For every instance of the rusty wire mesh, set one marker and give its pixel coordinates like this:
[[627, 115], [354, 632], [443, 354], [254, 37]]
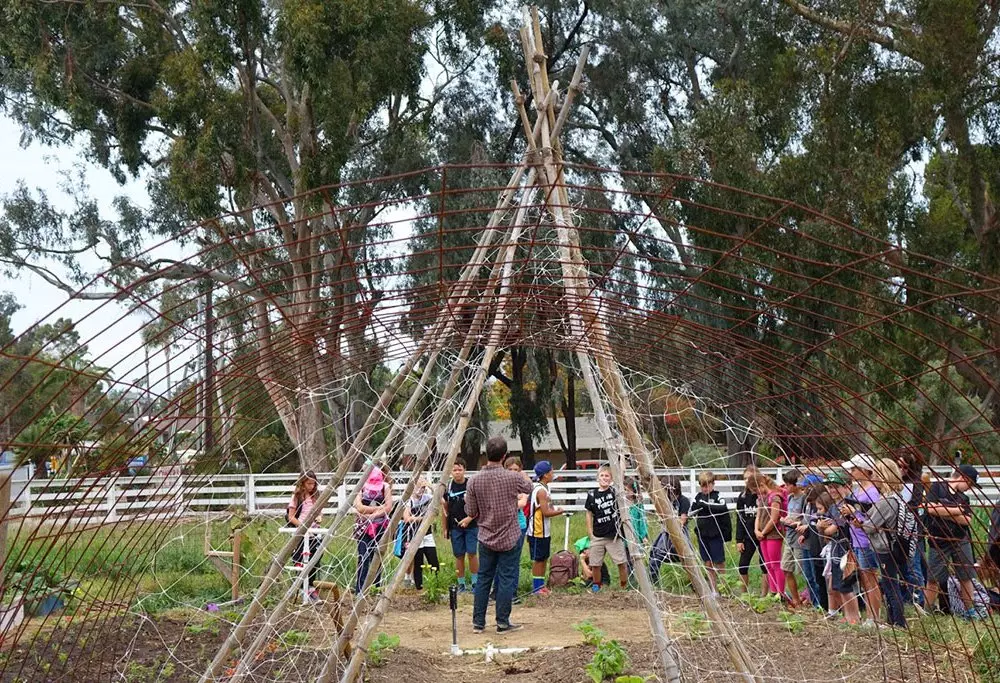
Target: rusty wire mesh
[[800, 338]]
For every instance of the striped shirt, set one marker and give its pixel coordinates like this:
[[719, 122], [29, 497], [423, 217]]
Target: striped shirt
[[491, 499]]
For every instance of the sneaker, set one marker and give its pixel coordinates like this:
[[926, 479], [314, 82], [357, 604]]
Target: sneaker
[[508, 628], [595, 588], [543, 591], [973, 614], [476, 628], [313, 595]]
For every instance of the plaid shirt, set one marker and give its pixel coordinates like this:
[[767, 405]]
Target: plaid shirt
[[492, 500]]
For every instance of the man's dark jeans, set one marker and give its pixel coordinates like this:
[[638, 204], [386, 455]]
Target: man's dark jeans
[[503, 566]]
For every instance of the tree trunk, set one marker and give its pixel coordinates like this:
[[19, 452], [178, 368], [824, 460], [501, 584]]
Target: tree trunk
[[518, 360], [569, 413]]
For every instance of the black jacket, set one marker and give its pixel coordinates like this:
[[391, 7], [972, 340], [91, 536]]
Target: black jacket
[[712, 514], [746, 517]]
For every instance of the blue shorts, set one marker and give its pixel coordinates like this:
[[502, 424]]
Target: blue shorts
[[464, 541], [539, 548], [712, 549], [867, 559]]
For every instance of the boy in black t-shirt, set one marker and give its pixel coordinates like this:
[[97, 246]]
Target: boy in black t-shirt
[[604, 527], [949, 515], [459, 528], [714, 527]]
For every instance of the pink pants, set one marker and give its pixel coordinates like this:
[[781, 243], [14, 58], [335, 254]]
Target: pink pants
[[770, 550]]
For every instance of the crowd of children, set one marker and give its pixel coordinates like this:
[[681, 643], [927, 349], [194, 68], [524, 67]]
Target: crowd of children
[[870, 533]]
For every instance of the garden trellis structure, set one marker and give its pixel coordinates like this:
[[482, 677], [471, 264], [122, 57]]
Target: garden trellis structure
[[766, 320]]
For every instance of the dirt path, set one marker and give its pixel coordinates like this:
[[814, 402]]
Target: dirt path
[[430, 630]]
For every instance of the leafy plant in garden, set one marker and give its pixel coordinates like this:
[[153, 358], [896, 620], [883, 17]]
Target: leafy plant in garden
[[610, 659], [795, 623], [696, 624], [435, 584], [759, 603], [381, 647], [591, 634]]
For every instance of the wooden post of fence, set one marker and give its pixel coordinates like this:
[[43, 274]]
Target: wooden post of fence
[[111, 501], [6, 474], [251, 496]]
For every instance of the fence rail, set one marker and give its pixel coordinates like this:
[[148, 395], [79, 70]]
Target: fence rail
[[114, 499]]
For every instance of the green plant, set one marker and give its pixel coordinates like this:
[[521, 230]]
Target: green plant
[[610, 660], [293, 638], [635, 679], [210, 626], [795, 623], [759, 603], [591, 634], [436, 584], [382, 646], [696, 624]]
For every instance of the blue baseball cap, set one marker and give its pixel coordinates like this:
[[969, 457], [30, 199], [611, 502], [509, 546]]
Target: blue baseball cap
[[811, 479], [542, 467]]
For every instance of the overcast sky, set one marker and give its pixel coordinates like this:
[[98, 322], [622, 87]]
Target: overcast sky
[[101, 325]]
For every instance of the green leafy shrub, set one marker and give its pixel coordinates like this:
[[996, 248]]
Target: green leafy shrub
[[436, 584]]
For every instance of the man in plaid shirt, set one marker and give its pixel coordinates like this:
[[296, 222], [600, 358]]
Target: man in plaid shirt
[[491, 500]]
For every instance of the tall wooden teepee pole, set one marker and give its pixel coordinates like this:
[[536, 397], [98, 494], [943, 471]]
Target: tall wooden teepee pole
[[361, 642], [435, 338], [593, 336]]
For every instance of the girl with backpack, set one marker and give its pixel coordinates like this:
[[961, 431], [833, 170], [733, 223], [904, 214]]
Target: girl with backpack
[[771, 507], [891, 528], [302, 502], [413, 516], [373, 505]]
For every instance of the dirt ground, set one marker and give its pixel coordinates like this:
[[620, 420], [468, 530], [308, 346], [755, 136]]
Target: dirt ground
[[176, 648]]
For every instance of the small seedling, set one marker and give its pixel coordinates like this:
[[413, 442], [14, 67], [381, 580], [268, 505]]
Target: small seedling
[[591, 634], [759, 603], [696, 624], [293, 638], [795, 623], [381, 647]]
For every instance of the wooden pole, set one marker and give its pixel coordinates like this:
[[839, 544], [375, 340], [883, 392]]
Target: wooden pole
[[593, 336], [353, 669], [461, 289]]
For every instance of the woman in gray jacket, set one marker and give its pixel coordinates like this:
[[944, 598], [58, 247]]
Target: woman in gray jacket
[[891, 527]]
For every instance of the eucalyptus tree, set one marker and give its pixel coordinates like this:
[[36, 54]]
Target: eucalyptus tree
[[224, 108]]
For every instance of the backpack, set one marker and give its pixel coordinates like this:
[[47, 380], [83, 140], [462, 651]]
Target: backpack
[[904, 541], [563, 566]]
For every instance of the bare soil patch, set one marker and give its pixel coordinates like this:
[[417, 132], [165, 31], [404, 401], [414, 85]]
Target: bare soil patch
[[177, 648]]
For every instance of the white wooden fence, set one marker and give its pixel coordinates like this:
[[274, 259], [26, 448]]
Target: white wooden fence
[[109, 500]]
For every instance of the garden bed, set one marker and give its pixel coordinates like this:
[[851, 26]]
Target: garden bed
[[175, 647]]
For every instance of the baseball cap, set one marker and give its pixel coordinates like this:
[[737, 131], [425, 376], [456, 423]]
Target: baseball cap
[[862, 461], [811, 479], [970, 473], [836, 478], [542, 467]]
